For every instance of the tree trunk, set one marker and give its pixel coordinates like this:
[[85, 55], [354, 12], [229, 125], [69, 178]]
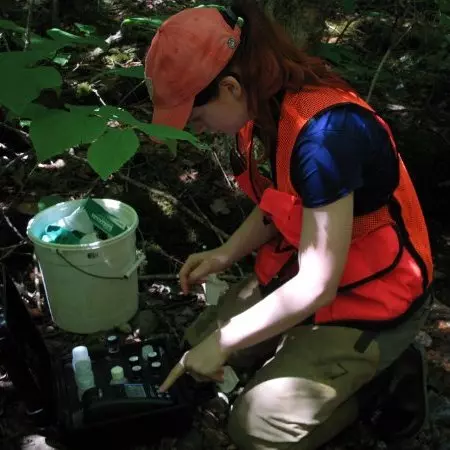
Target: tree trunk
[[304, 20]]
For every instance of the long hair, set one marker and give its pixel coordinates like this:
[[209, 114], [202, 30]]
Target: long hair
[[267, 62]]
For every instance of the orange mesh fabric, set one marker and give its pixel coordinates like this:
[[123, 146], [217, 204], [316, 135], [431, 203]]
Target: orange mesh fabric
[[413, 219], [297, 110]]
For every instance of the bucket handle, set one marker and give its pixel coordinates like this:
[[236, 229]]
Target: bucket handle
[[140, 258]]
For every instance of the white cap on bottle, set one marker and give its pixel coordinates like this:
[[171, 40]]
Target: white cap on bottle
[[80, 353], [148, 352]]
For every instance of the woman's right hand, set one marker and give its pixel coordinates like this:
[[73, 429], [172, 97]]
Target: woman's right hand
[[199, 265]]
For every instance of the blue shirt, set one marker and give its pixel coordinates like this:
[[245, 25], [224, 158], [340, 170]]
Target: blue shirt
[[344, 150]]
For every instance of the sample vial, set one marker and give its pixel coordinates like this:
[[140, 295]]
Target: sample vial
[[112, 343], [137, 372], [133, 360], [117, 375], [148, 353]]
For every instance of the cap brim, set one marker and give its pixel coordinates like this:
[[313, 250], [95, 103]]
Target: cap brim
[[176, 117]]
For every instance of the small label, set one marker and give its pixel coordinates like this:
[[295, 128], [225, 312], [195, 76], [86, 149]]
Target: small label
[[135, 391]]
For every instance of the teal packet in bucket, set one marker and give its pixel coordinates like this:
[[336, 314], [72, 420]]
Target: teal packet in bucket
[[103, 220]]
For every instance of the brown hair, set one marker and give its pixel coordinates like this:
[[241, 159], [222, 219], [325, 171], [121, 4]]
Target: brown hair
[[268, 62]]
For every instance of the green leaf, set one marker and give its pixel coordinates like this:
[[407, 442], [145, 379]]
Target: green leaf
[[33, 111], [20, 59], [72, 39], [349, 6], [159, 132], [59, 130], [172, 146], [62, 59], [163, 133], [146, 22], [132, 72], [86, 29], [19, 87], [49, 200], [445, 20], [112, 150], [11, 26]]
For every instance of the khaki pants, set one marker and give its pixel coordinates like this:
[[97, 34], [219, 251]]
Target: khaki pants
[[304, 391]]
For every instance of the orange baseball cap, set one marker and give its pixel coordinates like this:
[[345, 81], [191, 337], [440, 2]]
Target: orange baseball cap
[[187, 53]]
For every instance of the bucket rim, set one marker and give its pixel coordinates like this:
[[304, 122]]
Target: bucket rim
[[81, 247]]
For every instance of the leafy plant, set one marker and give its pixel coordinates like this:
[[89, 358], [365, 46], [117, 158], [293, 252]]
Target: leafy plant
[[110, 132]]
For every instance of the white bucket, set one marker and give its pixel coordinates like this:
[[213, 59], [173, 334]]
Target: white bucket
[[89, 287]]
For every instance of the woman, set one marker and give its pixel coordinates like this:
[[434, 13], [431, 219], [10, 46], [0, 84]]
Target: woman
[[343, 268]]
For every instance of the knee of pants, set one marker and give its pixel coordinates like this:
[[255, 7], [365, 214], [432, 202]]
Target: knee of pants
[[238, 431]]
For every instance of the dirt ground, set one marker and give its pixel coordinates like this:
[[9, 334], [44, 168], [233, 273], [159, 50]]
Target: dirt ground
[[187, 203]]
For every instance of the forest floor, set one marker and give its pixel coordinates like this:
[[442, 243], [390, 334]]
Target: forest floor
[[198, 207]]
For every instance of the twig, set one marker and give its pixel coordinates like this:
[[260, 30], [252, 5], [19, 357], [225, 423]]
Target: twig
[[131, 92], [382, 63], [222, 169], [22, 134], [37, 292], [168, 276], [28, 26], [205, 217], [13, 161], [98, 96], [8, 221], [174, 201], [164, 253], [344, 30], [11, 249]]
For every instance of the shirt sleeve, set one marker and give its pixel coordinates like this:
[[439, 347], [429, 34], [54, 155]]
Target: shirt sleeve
[[329, 157]]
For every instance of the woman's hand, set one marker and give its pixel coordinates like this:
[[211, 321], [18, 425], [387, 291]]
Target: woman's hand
[[199, 265], [205, 361]]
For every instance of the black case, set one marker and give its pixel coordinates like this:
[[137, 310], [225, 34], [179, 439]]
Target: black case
[[106, 415]]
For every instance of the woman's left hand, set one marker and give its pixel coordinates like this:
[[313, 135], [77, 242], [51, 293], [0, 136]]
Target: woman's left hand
[[206, 360]]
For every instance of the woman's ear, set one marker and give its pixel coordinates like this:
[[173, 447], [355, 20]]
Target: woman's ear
[[231, 86]]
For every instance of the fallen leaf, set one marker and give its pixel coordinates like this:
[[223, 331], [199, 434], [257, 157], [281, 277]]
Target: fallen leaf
[[219, 206]]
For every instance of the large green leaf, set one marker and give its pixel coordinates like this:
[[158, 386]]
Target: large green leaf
[[59, 130], [87, 30], [132, 72], [8, 25], [34, 111], [20, 86], [163, 133], [160, 132], [73, 39], [152, 23], [112, 150]]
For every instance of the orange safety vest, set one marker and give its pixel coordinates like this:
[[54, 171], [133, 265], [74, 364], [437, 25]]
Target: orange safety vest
[[389, 262]]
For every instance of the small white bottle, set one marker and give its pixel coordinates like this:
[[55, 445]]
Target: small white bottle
[[82, 367]]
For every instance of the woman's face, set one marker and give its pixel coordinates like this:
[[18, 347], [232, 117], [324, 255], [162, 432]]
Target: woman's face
[[227, 113]]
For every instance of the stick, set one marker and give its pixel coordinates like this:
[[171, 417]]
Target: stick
[[205, 217], [174, 201], [383, 61], [222, 169], [28, 26], [131, 92], [169, 276]]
